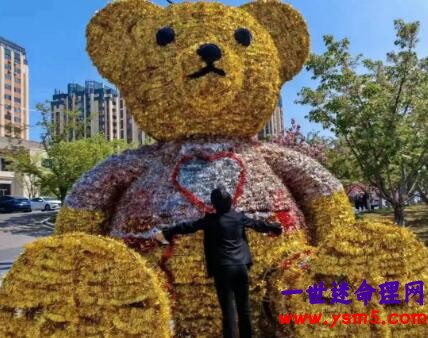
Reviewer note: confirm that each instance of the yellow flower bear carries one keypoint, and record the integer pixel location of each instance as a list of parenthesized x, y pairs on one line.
[(202, 78)]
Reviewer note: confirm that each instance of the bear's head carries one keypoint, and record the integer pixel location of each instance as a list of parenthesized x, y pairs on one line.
[(198, 68)]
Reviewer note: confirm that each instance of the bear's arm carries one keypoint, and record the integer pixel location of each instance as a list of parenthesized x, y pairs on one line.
[(320, 195), (92, 198)]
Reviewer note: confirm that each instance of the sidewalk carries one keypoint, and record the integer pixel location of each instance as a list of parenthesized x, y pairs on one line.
[(11, 246), (16, 230)]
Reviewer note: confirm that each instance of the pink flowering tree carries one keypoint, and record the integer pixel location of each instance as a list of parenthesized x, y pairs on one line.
[(312, 145)]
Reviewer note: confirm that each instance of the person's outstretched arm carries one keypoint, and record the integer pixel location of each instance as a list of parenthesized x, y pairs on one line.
[(261, 226), (184, 228)]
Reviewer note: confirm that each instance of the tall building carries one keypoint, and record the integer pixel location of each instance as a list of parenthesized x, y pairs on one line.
[(94, 108), (275, 126), (14, 91)]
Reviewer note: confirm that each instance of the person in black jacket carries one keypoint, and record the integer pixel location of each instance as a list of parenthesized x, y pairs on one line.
[(227, 256)]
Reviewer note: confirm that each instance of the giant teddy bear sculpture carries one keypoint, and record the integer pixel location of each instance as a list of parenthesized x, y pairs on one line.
[(202, 78)]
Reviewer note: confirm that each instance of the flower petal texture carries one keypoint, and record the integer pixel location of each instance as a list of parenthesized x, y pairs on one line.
[(80, 285)]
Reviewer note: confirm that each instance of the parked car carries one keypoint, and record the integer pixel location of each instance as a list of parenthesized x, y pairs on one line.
[(45, 203), (14, 203)]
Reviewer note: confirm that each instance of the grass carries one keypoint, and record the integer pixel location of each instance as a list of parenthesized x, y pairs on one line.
[(416, 219)]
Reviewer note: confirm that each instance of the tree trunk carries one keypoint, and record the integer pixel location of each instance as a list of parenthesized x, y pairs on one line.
[(63, 194), (423, 195), (401, 196), (399, 214)]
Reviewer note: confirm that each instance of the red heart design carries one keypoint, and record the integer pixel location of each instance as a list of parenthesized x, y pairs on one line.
[(192, 197)]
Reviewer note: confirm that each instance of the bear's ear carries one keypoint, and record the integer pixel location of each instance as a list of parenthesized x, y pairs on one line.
[(109, 34), (288, 30)]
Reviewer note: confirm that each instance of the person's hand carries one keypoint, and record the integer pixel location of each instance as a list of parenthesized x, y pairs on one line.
[(161, 238)]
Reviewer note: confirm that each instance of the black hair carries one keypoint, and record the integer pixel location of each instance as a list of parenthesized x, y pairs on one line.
[(221, 200)]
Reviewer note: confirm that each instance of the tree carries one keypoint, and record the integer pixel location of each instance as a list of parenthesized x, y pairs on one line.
[(67, 161), (69, 153), (341, 162), (26, 167), (379, 109), (73, 126), (422, 186), (312, 145)]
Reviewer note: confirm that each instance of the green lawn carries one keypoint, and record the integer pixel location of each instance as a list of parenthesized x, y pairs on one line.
[(416, 219)]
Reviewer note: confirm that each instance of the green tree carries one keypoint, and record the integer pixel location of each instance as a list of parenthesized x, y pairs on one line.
[(422, 188), (26, 167), (379, 109), (67, 161), (341, 162), (71, 129), (69, 153)]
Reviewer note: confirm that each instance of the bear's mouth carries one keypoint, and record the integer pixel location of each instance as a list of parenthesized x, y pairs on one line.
[(210, 68)]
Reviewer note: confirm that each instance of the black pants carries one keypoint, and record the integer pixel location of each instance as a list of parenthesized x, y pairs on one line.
[(232, 287)]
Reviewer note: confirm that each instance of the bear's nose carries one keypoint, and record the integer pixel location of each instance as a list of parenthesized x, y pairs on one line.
[(209, 52)]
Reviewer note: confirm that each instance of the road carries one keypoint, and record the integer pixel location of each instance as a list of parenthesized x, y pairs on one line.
[(17, 229)]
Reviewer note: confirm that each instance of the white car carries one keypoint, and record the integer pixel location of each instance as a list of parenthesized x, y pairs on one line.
[(45, 203)]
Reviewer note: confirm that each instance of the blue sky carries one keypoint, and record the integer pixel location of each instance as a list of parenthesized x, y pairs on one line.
[(53, 33)]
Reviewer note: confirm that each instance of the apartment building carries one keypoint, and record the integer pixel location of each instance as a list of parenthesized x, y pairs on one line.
[(275, 126), (14, 91), (94, 108)]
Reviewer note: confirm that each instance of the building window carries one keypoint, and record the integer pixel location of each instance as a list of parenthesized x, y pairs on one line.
[(17, 119), (4, 164), (7, 97), (17, 99), (8, 77), (5, 189), (7, 116), (17, 90), (9, 67), (8, 86), (7, 53), (17, 57), (17, 79), (8, 106), (17, 71)]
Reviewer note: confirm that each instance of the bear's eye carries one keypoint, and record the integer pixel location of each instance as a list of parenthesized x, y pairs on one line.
[(243, 36), (165, 36)]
